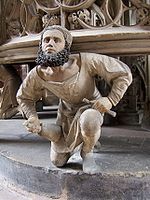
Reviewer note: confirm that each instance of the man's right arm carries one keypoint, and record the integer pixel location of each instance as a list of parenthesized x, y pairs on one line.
[(28, 93), (26, 104)]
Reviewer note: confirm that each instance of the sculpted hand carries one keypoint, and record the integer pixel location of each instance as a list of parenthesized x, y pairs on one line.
[(33, 125), (102, 104)]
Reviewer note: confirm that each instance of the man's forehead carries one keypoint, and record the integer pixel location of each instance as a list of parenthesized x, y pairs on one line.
[(53, 32)]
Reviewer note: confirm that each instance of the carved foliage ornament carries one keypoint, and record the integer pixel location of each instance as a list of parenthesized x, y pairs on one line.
[(75, 14)]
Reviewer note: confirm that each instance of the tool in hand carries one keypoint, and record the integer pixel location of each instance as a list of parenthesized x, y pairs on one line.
[(110, 112)]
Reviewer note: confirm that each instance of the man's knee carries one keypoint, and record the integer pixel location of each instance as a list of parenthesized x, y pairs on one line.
[(91, 121), (59, 159), (58, 163)]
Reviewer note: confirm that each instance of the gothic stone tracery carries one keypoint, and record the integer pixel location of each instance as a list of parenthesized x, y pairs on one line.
[(30, 16)]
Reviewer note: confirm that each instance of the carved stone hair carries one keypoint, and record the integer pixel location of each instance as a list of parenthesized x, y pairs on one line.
[(67, 35)]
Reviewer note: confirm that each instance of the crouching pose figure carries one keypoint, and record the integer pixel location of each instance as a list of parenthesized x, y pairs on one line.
[(71, 78)]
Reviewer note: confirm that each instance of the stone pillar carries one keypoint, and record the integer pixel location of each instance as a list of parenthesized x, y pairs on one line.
[(148, 85), (2, 23), (146, 117)]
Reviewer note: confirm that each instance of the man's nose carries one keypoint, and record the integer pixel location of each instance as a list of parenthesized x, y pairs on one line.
[(51, 43)]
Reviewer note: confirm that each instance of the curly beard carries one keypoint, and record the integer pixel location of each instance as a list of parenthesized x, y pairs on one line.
[(53, 59)]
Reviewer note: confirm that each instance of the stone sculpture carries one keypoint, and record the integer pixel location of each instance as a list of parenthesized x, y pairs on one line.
[(11, 82), (71, 78)]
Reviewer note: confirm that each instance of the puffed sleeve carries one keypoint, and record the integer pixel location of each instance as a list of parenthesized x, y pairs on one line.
[(29, 92), (116, 73)]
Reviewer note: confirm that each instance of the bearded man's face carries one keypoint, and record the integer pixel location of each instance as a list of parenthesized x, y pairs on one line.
[(53, 51), (53, 41)]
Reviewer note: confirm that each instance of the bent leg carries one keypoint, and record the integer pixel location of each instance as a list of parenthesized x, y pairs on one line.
[(90, 124), (51, 132), (59, 159), (5, 98), (9, 105), (14, 85)]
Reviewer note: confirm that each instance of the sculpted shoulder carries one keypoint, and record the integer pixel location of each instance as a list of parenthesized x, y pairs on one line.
[(76, 57), (79, 56), (84, 56)]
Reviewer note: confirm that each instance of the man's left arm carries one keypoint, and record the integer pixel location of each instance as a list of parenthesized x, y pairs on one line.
[(116, 73)]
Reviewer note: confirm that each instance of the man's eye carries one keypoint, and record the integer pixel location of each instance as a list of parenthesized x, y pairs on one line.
[(56, 40), (46, 40)]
